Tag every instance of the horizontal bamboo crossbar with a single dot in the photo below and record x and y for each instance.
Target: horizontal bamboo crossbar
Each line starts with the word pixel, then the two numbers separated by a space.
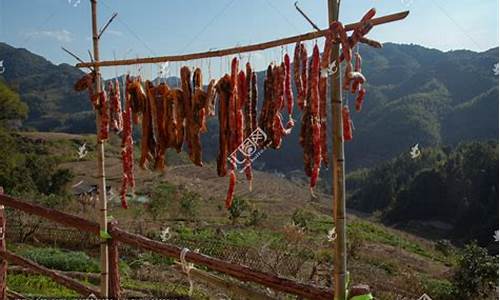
pixel 57 277
pixel 236 50
pixel 242 273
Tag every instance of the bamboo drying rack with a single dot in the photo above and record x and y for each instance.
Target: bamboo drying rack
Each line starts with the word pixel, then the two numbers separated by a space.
pixel 338 143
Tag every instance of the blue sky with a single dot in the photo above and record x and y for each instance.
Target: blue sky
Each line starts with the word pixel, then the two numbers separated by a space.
pixel 163 27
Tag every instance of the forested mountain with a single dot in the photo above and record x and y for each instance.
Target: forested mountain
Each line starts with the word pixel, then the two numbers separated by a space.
pixel 415 95
pixel 457 186
pixel 47 89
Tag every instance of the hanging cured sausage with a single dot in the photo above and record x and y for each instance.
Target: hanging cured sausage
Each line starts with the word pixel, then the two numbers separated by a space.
pixel 198 118
pixel 224 90
pixel 347 123
pixel 128 179
pixel 288 92
pixel 316 126
pixel 104 116
pixel 115 106
pixel 297 71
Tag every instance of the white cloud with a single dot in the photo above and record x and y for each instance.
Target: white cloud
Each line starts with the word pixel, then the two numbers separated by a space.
pixel 62 35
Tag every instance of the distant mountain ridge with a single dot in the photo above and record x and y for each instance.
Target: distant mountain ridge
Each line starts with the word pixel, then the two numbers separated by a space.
pixel 415 95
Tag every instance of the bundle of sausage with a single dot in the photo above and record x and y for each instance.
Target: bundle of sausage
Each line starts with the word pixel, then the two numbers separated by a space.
pixel 277 93
pixel 310 134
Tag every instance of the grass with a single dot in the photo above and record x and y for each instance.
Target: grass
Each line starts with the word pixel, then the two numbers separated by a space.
pixel 162 289
pixel 58 259
pixel 375 233
pixel 38 286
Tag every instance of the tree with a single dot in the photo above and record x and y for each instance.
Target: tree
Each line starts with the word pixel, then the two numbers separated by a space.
pixel 238 207
pixel 11 106
pixel 476 276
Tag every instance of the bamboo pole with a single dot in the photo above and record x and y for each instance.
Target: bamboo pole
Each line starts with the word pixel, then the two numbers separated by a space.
pixel 102 207
pixel 3 262
pixel 340 268
pixel 243 49
pixel 59 278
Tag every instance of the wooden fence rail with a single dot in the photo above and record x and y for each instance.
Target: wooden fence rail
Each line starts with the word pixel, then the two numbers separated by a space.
pixel 57 277
pixel 240 272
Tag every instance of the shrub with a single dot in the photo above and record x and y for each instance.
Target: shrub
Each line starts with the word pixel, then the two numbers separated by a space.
pixel 189 204
pixel 256 217
pixel 57 259
pixel 237 209
pixel 476 276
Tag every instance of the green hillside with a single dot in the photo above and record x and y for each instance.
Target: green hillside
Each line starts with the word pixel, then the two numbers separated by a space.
pixel 447 193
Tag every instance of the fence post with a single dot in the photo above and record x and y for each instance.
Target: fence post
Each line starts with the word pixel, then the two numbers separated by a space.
pixel 114 267
pixel 3 262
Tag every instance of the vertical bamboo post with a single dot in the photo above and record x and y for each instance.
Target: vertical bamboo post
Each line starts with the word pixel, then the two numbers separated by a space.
pixel 102 207
pixel 338 185
pixel 3 262
pixel 114 268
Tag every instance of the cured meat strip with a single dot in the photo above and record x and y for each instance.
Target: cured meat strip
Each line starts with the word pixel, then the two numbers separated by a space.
pixel 88 82
pixel 170 120
pixel 254 101
pixel 138 97
pixel 347 123
pixel 325 62
pixel 240 107
pixel 297 61
pixel 104 116
pixel 197 122
pixel 249 111
pixel 128 179
pixel 303 62
pixel 160 99
pixel 288 91
pixel 236 124
pixel 224 90
pixel 316 126
pixel 115 108
pixel 148 144
pixel 177 97
pixel 268 102
pixel 211 95
pixel 188 111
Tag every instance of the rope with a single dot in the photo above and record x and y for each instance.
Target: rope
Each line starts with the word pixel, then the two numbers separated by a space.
pixel 186 268
pixel 214 18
